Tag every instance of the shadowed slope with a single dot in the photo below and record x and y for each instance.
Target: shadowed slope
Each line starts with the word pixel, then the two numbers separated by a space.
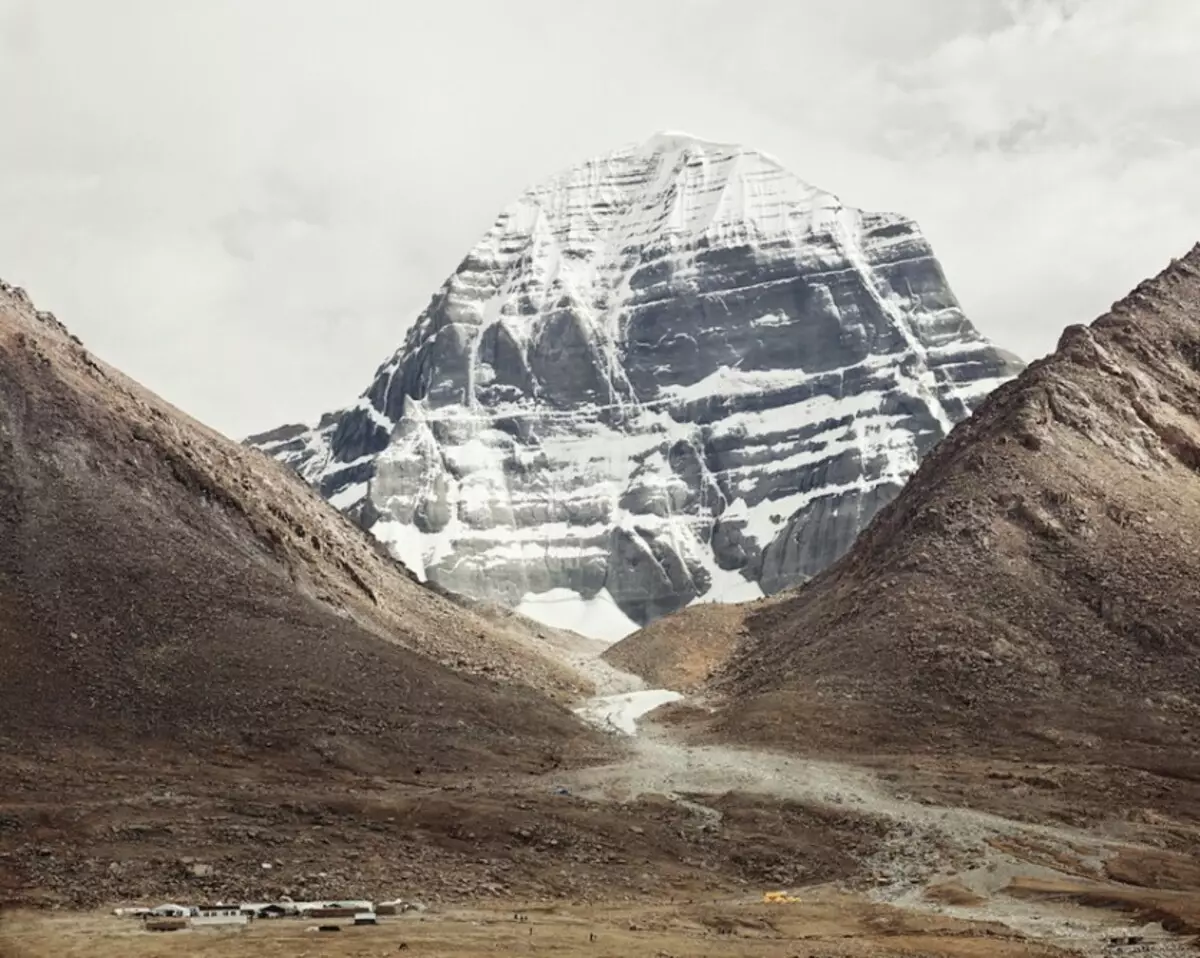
pixel 161 584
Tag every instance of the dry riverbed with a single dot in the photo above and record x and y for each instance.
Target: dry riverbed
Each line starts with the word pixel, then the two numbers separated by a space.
pixel 936 860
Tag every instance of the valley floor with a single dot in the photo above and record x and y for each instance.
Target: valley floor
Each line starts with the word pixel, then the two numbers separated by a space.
pixel 823 924
pixel 665 850
pixel 939 858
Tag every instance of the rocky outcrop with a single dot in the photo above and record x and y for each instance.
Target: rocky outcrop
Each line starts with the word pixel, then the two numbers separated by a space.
pixel 674 373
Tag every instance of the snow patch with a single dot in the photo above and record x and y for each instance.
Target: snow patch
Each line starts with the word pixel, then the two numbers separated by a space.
pixel 406 543
pixel 348 496
pixel 598 617
pixel 729 585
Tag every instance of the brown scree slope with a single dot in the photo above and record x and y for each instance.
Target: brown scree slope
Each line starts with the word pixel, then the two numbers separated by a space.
pixel 163 586
pixel 1037 584
pixel 686 650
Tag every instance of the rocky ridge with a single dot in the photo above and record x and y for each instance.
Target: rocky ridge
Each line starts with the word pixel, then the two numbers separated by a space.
pixel 675 373
pixel 1031 591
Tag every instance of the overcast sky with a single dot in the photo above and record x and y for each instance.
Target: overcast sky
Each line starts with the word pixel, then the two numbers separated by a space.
pixel 244 203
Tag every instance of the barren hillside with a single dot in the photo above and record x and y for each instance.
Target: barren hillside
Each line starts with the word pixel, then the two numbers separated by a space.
pixel 684 651
pixel 159 584
pixel 1034 587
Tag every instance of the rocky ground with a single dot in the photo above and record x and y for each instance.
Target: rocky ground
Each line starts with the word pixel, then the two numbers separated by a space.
pixel 824 924
pixel 672 820
pixel 220 826
pixel 686 650
pixel 936 847
pixel 154 753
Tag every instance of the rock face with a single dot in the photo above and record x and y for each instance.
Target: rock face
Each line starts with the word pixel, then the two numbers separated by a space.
pixel 674 373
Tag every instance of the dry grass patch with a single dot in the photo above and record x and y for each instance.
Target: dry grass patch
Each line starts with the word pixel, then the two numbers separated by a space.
pixel 953 893
pixel 1178 912
pixel 828 926
pixel 1152 868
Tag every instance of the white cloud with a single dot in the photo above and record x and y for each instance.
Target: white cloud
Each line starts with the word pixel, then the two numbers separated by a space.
pixel 245 204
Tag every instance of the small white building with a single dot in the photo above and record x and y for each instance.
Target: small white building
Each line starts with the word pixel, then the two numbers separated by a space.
pixel 359 904
pixel 216 911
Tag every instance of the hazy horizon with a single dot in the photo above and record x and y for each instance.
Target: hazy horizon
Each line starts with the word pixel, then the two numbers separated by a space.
pixel 244 206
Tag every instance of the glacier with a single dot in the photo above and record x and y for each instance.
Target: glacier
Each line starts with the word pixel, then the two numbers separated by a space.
pixel 676 373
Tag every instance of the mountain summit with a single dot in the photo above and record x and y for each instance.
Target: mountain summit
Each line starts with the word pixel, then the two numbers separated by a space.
pixel 675 373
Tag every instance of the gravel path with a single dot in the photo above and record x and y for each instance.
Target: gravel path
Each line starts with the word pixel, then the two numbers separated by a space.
pixel 621 712
pixel 927 843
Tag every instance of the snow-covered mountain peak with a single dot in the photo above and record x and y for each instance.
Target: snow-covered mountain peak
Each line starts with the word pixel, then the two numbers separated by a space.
pixel 673 373
pixel 672 188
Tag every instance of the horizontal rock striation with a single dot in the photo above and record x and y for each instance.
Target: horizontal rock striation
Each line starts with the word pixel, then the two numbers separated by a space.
pixel 675 373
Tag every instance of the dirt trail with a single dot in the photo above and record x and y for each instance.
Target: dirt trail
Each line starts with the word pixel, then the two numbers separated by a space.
pixel 926 845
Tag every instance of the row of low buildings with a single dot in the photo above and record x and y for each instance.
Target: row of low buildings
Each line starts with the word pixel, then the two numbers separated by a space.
pixel 362 912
